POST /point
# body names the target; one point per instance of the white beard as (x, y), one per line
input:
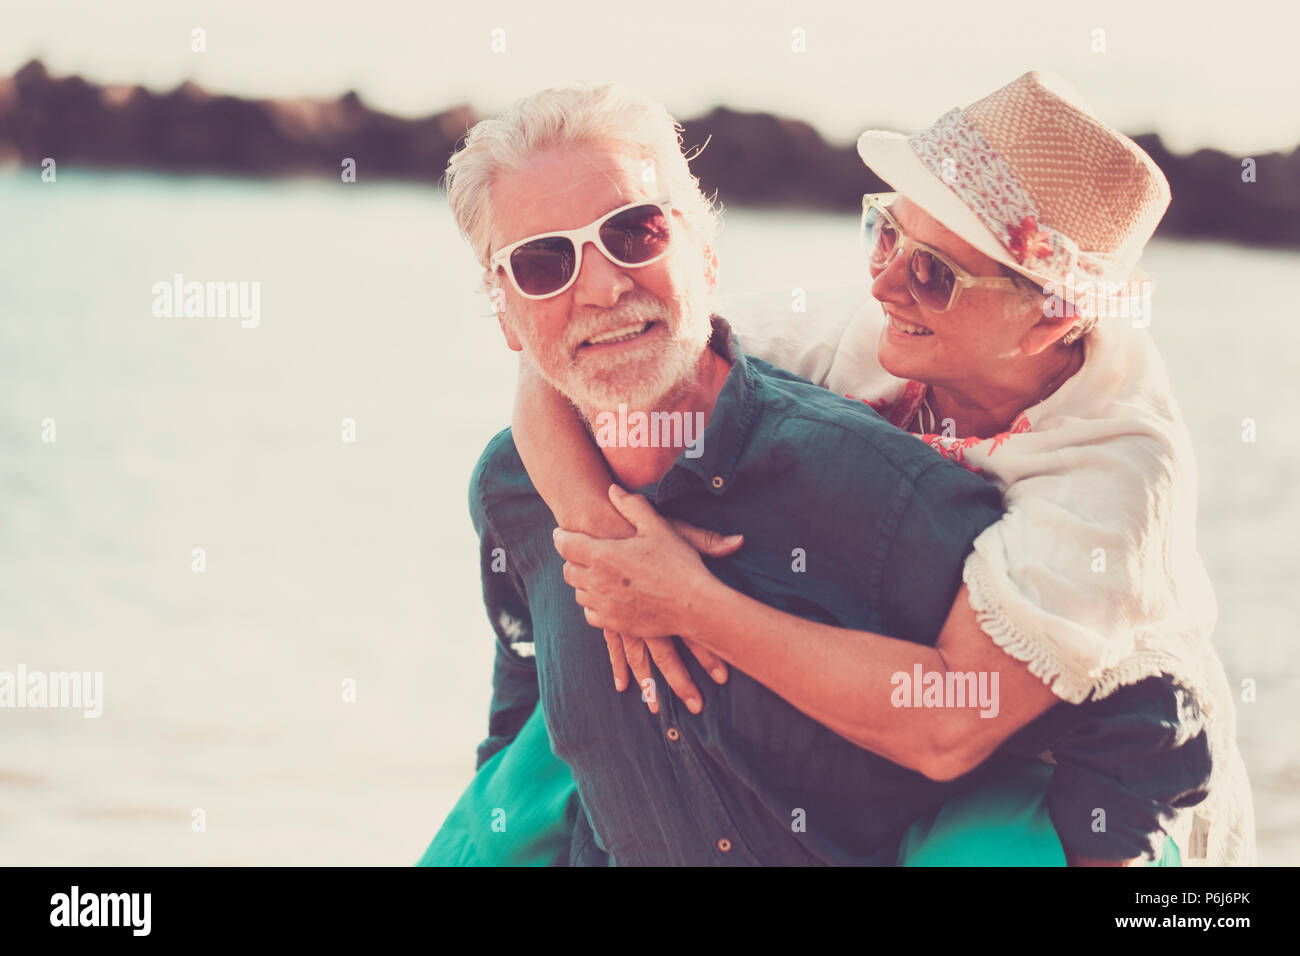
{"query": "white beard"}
(653, 373)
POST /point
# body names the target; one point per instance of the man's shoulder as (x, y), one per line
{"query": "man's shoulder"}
(499, 457)
(797, 412)
(499, 483)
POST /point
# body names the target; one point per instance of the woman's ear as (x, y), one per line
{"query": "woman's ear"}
(1055, 317)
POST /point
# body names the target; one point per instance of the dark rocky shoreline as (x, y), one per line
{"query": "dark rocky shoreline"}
(752, 159)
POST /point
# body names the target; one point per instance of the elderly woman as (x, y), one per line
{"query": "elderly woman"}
(1089, 584)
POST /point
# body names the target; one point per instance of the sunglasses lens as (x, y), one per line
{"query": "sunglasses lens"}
(542, 266)
(882, 238)
(636, 235)
(931, 280)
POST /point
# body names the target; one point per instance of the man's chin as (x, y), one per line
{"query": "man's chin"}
(592, 401)
(630, 384)
(644, 378)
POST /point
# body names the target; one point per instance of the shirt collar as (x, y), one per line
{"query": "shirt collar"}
(728, 429)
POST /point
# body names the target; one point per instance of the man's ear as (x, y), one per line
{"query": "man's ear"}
(711, 268)
(497, 298)
(1055, 317)
(508, 331)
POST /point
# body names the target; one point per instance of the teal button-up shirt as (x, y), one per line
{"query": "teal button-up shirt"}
(847, 521)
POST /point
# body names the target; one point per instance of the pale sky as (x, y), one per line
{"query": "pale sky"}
(1201, 73)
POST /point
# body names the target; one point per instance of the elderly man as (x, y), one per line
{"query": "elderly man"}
(596, 247)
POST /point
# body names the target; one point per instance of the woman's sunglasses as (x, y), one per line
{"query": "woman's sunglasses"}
(934, 280)
(632, 236)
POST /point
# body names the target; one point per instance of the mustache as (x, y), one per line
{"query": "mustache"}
(629, 311)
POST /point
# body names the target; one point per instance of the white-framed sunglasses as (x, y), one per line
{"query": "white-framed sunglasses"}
(631, 236)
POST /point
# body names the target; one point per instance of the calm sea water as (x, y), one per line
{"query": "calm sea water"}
(329, 561)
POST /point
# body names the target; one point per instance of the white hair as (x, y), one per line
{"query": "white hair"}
(1034, 293)
(1079, 330)
(564, 116)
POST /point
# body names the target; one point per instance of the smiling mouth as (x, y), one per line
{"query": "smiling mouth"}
(624, 334)
(908, 328)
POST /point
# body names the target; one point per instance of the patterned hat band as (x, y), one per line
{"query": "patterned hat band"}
(959, 155)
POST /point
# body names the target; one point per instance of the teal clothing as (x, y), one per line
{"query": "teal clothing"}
(522, 806)
(519, 810)
(1002, 822)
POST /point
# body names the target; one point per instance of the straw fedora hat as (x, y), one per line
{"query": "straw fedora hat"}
(1029, 177)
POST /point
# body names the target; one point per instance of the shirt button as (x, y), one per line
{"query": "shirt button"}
(672, 733)
(724, 845)
(717, 481)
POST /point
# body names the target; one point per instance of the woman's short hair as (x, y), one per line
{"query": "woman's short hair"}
(1032, 290)
(564, 116)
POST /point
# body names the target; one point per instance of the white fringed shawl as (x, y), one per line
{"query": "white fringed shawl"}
(1092, 577)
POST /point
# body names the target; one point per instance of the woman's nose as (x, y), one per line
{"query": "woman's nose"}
(600, 283)
(890, 284)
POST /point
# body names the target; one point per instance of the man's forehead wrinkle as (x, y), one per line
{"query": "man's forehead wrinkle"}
(600, 171)
(531, 203)
(618, 182)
